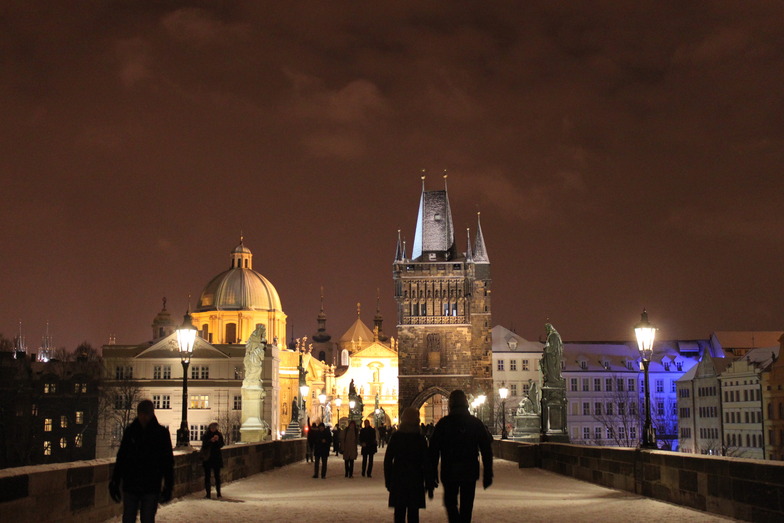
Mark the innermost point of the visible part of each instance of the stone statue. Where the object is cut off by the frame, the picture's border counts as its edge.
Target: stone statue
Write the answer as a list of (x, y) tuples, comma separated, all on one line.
[(533, 395), (302, 372), (254, 357), (526, 406), (551, 360), (352, 391), (327, 414), (295, 409)]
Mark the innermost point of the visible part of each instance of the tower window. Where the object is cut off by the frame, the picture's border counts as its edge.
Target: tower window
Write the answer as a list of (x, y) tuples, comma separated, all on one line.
[(231, 333), (437, 217)]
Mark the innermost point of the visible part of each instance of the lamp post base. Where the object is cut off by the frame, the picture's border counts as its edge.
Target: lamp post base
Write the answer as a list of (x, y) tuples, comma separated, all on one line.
[(183, 438)]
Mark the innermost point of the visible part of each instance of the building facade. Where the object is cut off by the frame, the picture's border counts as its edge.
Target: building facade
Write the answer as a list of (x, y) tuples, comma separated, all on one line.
[(444, 311), (773, 405)]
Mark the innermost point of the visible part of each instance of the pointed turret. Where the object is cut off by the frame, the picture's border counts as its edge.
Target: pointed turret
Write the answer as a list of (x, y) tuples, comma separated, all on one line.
[(321, 335), (400, 252), (480, 250), (378, 320), (434, 238), (469, 256)]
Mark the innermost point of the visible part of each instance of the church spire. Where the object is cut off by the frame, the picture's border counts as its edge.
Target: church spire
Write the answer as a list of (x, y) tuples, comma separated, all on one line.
[(321, 335), (400, 253), (480, 250), (469, 255), (434, 238)]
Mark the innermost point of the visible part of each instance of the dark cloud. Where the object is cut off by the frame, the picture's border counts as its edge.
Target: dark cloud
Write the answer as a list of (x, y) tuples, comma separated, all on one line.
[(622, 154)]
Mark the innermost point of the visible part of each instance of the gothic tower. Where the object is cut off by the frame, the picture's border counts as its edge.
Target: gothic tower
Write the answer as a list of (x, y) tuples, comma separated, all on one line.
[(444, 313)]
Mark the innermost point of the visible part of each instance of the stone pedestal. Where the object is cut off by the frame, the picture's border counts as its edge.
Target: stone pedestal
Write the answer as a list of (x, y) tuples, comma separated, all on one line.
[(293, 430), (554, 415), (254, 428), (528, 428)]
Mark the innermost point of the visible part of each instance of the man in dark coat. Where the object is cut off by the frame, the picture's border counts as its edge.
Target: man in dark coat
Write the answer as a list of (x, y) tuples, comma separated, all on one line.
[(457, 440), (212, 458), (322, 442), (144, 460), (368, 442)]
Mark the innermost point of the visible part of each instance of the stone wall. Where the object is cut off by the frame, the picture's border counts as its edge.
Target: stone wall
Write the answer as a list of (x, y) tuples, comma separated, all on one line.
[(751, 490), (79, 491)]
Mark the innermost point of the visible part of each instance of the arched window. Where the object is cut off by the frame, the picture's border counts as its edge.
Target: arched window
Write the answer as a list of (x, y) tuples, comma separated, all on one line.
[(231, 333), (344, 358)]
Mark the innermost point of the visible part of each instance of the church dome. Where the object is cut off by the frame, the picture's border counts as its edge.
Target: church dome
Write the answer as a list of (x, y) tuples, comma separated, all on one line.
[(240, 288)]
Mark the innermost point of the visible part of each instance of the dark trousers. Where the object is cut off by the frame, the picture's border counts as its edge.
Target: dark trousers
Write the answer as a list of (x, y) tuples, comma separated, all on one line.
[(323, 460), (143, 504), (466, 490), (215, 471), (367, 464), (400, 514), (349, 464)]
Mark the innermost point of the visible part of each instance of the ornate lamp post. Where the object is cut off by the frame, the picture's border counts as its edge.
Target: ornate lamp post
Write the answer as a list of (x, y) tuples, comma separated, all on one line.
[(503, 392), (645, 335), (338, 403), (186, 337), (480, 401), (322, 399)]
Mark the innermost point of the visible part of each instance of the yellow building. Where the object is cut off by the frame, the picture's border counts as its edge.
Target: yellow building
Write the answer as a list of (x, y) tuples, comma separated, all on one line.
[(237, 300)]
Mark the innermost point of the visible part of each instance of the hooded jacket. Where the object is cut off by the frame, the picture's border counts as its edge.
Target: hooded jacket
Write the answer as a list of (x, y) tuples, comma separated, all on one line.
[(145, 459)]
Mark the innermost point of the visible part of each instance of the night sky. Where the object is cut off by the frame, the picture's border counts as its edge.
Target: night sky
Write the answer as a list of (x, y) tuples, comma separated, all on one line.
[(623, 155)]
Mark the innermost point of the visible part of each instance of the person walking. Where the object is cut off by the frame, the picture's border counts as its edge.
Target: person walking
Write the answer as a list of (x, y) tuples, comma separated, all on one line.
[(336, 440), (309, 450), (369, 445), (407, 473), (322, 442), (456, 440), (144, 459), (348, 445), (212, 460)]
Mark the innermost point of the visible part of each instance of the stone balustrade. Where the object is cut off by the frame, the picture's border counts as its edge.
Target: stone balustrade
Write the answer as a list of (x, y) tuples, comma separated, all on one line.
[(751, 490), (79, 491)]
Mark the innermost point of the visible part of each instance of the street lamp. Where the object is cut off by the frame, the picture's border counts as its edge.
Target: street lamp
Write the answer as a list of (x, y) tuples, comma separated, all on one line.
[(338, 403), (503, 392), (186, 337), (322, 399), (480, 403), (645, 335), (351, 405)]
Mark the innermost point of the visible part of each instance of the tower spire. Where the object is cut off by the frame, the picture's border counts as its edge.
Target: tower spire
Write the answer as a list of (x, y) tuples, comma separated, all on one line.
[(400, 254), (434, 237), (480, 250), (469, 255)]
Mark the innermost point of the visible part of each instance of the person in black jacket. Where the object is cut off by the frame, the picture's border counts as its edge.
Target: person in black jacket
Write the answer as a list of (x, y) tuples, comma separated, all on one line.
[(322, 442), (369, 444), (211, 443), (144, 460), (457, 439), (406, 469)]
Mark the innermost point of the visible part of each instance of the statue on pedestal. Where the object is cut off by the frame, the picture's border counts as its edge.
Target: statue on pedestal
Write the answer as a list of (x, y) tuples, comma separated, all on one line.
[(552, 358), (253, 428), (254, 357)]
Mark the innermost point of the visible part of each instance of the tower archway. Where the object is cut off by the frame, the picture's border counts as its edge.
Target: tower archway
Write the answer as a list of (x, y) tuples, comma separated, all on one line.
[(432, 404)]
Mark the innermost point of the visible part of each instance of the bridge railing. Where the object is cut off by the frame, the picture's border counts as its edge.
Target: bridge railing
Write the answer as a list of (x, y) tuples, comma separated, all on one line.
[(751, 490), (79, 491)]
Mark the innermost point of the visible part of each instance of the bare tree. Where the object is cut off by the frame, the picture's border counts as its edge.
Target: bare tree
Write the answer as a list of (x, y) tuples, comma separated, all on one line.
[(619, 414), (118, 408), (229, 425)]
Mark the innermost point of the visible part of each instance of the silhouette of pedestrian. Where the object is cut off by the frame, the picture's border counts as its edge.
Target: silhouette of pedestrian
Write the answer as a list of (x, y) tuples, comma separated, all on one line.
[(212, 460), (457, 440), (144, 460)]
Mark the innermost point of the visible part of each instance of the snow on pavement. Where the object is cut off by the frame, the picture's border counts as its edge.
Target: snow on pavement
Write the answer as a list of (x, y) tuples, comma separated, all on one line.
[(291, 494)]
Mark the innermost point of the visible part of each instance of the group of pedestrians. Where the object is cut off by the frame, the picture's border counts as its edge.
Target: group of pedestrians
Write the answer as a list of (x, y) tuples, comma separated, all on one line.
[(143, 474), (411, 462)]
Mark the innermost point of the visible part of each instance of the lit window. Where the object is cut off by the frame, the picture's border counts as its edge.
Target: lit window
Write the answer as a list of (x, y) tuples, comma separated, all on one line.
[(48, 425), (79, 417), (78, 441), (63, 443), (200, 402), (64, 421), (34, 410), (47, 448)]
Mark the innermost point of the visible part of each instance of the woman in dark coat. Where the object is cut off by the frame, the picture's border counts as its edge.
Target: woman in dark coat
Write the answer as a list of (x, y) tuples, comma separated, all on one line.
[(211, 443), (369, 444), (407, 472), (348, 445)]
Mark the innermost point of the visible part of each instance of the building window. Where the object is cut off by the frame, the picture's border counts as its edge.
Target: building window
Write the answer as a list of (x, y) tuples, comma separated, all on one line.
[(608, 384), (50, 388), (237, 402), (586, 385), (63, 443), (597, 408), (573, 384), (673, 386), (513, 389), (231, 333), (64, 422), (679, 366), (597, 433), (632, 432), (79, 417), (619, 384), (161, 401), (500, 365), (34, 410), (344, 358), (48, 425), (512, 364), (597, 384), (200, 372), (666, 365), (157, 372), (80, 387), (630, 383), (525, 364), (586, 408), (622, 432), (584, 365), (197, 431), (621, 408), (200, 402), (47, 448), (586, 432), (660, 408), (659, 385), (123, 372), (78, 441), (633, 408)]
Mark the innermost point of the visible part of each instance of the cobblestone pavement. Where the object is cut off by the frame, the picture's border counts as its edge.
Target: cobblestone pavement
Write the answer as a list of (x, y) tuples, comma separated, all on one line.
[(290, 494)]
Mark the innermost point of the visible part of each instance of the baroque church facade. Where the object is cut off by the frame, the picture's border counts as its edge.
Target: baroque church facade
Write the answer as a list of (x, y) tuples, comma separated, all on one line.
[(444, 310)]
